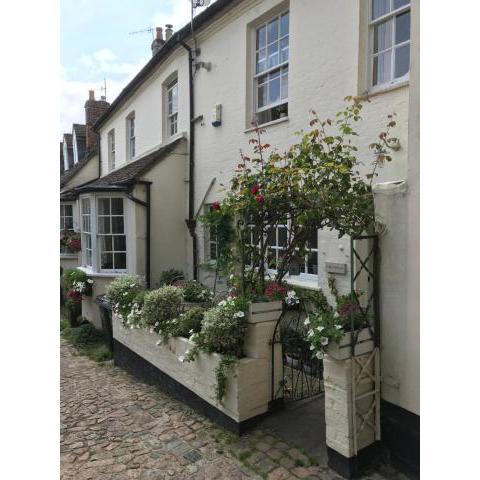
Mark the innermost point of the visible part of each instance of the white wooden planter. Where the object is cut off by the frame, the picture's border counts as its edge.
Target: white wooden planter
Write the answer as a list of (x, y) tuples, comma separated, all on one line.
[(343, 350), (248, 390)]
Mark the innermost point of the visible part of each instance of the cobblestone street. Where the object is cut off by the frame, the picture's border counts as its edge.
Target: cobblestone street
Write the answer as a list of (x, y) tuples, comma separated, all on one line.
[(114, 427)]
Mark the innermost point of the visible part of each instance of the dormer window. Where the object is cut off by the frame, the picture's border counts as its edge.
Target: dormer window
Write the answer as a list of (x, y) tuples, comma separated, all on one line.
[(65, 155), (172, 110), (131, 136), (111, 149)]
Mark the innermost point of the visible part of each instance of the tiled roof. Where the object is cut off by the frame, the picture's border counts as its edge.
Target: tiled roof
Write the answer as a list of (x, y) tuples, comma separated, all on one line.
[(126, 176), (68, 138), (80, 130)]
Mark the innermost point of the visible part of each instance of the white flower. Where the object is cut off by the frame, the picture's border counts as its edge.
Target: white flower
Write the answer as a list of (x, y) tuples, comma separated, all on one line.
[(156, 324), (310, 334), (335, 315), (125, 293), (222, 303), (324, 341), (239, 314), (181, 358), (338, 327), (131, 327), (312, 347), (190, 331), (90, 281), (151, 330), (319, 355), (159, 342), (320, 328), (307, 321)]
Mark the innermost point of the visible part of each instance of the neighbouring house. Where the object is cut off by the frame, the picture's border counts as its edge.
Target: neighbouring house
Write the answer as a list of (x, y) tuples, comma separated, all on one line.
[(170, 140), (80, 161)]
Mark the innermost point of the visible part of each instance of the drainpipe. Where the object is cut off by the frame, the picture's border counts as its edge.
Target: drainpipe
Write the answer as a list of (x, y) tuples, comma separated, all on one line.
[(191, 222), (148, 242)]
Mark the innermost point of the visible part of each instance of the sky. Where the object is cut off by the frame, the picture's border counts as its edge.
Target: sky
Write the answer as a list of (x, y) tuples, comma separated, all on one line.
[(96, 43)]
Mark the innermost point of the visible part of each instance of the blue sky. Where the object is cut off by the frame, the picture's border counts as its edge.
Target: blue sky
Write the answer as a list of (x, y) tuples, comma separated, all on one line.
[(96, 44)]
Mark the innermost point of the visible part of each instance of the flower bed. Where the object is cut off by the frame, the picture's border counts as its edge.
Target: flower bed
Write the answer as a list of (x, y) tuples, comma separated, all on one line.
[(248, 388)]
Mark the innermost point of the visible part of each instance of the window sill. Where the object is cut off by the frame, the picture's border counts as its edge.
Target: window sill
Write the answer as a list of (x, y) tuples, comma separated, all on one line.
[(67, 256), (268, 124), (302, 283), (387, 88), (92, 273)]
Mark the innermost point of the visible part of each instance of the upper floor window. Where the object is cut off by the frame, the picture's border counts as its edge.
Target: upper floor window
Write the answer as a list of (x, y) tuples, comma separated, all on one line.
[(271, 69), (66, 216), (111, 149), (131, 136), (172, 108), (390, 41)]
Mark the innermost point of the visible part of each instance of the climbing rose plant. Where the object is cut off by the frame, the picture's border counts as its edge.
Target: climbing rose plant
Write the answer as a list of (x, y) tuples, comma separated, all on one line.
[(315, 184)]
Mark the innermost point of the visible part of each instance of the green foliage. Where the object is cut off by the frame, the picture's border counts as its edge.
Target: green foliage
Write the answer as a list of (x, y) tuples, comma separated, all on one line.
[(315, 184), (324, 328), (85, 335), (317, 299), (188, 323), (224, 327), (122, 292), (221, 374), (63, 324), (196, 292), (160, 307), (77, 280), (169, 277), (87, 340)]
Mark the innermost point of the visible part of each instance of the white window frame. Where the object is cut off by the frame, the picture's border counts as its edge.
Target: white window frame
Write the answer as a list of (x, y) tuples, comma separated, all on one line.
[(172, 114), (87, 233), (111, 149), (371, 55), (281, 67), (65, 155), (131, 138), (95, 266), (75, 151), (303, 276), (62, 223)]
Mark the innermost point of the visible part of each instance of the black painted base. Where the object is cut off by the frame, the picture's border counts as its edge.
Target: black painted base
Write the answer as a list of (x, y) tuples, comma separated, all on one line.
[(401, 436), (354, 466), (139, 367)]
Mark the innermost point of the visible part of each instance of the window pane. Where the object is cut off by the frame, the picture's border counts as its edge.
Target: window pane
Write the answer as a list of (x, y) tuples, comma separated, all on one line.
[(68, 223), (382, 67), (380, 7), (68, 210), (103, 224), (261, 60), (312, 238), (106, 243), (402, 61), (274, 88), (117, 224), (272, 237), (117, 206), (120, 260), (284, 25), (283, 49), (382, 36), (402, 28), (119, 243), (261, 37), (273, 55), (272, 34), (282, 237), (400, 3), (106, 260), (284, 85), (262, 96), (312, 263), (104, 206)]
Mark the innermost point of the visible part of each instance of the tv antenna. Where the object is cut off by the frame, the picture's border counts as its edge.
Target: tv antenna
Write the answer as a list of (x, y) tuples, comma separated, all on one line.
[(103, 88), (200, 3), (151, 30)]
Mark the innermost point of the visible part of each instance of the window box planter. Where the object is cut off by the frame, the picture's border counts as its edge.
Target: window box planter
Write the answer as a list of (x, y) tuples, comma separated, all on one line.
[(342, 350), (248, 390)]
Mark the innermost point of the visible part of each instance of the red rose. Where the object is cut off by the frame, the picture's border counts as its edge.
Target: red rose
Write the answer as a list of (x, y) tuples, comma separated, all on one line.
[(255, 188), (216, 206), (260, 198)]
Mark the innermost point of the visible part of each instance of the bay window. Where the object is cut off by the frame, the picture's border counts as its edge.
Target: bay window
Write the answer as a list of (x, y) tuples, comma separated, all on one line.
[(271, 69), (390, 41), (104, 243), (66, 222)]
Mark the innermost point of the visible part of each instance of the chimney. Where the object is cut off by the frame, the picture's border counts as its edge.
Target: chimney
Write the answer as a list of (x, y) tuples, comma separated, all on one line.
[(168, 31), (158, 42), (94, 109)]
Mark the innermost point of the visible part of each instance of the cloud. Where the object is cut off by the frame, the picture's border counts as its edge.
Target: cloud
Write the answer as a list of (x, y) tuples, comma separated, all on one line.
[(104, 61)]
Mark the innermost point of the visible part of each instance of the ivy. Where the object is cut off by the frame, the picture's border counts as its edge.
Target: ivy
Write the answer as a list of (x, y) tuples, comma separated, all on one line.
[(221, 374)]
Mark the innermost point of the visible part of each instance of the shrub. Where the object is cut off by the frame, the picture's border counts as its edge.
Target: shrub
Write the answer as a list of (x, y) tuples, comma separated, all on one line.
[(196, 292), (188, 323), (275, 291), (223, 328), (169, 277), (122, 292), (161, 307), (77, 280), (85, 335), (134, 318)]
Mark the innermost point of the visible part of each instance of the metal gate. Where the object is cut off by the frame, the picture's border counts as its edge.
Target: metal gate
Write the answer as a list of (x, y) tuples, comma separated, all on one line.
[(302, 375)]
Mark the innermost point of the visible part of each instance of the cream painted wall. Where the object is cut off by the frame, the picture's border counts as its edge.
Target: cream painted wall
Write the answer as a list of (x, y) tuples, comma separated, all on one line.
[(148, 105), (88, 173)]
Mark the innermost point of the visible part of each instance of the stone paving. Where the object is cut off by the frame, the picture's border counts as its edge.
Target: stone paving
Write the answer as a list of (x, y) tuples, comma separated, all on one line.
[(114, 427)]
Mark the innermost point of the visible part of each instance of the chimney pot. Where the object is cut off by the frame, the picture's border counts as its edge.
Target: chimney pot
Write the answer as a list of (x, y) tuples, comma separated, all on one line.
[(168, 31), (91, 95), (159, 33)]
